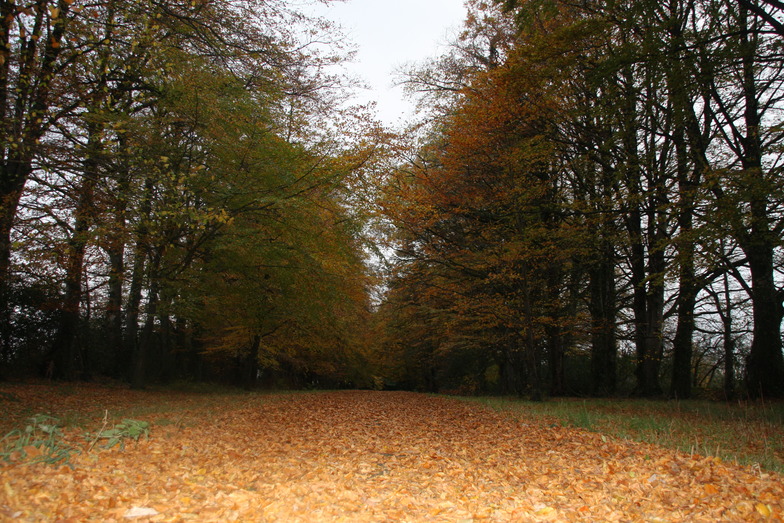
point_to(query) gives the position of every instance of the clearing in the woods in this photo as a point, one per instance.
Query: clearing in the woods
(348, 456)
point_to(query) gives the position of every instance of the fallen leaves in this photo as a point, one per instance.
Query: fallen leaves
(373, 456)
(140, 512)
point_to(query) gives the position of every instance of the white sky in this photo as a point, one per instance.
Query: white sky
(389, 34)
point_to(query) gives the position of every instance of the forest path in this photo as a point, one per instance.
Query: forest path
(380, 456)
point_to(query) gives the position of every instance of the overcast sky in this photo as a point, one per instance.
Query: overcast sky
(391, 33)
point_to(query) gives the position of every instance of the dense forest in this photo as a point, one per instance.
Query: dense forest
(590, 202)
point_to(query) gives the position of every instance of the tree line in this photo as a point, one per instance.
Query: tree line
(594, 204)
(174, 194)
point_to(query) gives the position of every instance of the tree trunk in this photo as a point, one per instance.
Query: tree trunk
(689, 151)
(114, 317)
(682, 344)
(131, 342)
(66, 350)
(131, 334)
(765, 363)
(555, 335)
(530, 341)
(601, 306)
(142, 353)
(556, 351)
(25, 97)
(729, 342)
(250, 365)
(11, 184)
(687, 280)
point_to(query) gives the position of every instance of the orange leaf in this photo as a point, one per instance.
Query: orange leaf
(32, 451)
(710, 488)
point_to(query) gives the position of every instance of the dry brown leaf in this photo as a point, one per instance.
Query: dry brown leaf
(373, 456)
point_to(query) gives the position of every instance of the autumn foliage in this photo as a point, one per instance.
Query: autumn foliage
(175, 203)
(593, 204)
(364, 456)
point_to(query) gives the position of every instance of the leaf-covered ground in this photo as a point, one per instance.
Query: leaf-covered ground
(363, 456)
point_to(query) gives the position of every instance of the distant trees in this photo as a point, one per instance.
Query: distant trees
(173, 201)
(606, 186)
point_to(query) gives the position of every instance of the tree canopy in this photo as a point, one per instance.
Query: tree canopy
(590, 204)
(595, 207)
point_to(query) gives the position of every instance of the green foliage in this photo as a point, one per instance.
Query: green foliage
(128, 429)
(41, 441)
(581, 418)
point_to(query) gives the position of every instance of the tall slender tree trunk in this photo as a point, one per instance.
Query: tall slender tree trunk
(66, 349)
(687, 280)
(114, 316)
(556, 352)
(530, 343)
(115, 247)
(684, 334)
(554, 332)
(689, 165)
(728, 341)
(250, 365)
(647, 298)
(132, 308)
(142, 353)
(131, 340)
(650, 366)
(601, 305)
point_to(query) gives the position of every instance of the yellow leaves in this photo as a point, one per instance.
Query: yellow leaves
(763, 510)
(545, 511)
(9, 490)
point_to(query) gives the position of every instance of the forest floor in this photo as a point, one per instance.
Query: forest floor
(349, 456)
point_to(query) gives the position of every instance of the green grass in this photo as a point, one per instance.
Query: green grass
(40, 441)
(744, 433)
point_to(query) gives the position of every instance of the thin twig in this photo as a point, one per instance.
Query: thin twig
(98, 435)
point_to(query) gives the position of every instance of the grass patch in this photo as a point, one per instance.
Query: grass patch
(127, 429)
(40, 441)
(744, 433)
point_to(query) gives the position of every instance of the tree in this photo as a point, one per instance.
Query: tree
(142, 176)
(34, 53)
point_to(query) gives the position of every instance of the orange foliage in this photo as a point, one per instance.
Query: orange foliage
(484, 216)
(372, 456)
